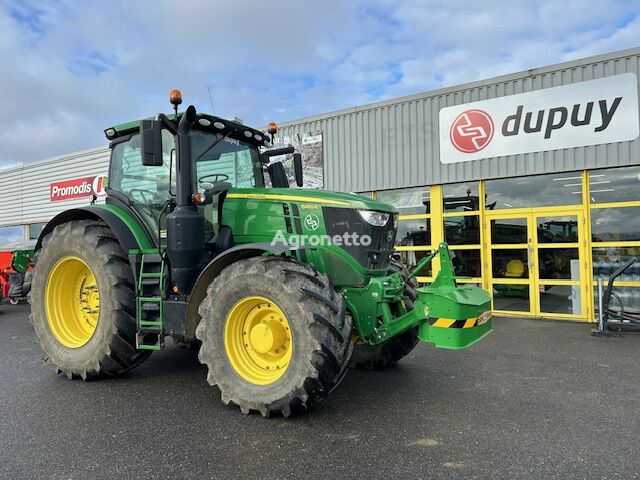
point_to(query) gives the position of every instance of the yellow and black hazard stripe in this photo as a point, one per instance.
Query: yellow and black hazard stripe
(464, 323)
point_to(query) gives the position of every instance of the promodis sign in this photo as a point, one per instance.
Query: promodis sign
(584, 113)
(77, 188)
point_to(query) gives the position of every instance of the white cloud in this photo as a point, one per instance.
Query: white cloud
(74, 68)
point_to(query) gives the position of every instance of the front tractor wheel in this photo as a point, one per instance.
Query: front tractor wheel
(83, 302)
(274, 335)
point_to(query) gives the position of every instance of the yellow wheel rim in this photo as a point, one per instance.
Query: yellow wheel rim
(257, 340)
(72, 302)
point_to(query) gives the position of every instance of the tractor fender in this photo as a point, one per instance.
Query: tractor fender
(122, 232)
(213, 269)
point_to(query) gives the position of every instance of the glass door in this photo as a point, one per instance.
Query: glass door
(561, 275)
(536, 263)
(510, 262)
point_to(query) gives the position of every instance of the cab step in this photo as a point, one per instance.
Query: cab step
(150, 293)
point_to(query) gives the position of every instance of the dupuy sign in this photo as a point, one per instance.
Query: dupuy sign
(585, 113)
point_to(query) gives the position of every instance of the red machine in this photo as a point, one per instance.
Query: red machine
(15, 272)
(5, 269)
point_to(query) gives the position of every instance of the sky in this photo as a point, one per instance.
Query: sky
(70, 69)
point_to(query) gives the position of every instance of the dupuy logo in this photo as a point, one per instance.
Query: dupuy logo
(471, 131)
(312, 222)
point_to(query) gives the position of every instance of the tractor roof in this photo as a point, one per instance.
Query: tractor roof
(216, 124)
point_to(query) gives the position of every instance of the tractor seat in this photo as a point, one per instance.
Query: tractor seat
(515, 268)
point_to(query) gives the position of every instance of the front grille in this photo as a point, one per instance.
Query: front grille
(341, 221)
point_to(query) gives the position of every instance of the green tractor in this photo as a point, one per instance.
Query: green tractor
(281, 289)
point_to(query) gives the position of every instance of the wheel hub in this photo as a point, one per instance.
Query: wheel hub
(258, 340)
(267, 337)
(72, 302)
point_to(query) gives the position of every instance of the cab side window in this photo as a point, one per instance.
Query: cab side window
(146, 187)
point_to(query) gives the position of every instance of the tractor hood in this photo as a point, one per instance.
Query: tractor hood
(316, 197)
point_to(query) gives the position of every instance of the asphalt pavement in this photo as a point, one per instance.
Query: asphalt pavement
(536, 399)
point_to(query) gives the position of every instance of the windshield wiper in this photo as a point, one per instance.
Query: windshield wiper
(213, 145)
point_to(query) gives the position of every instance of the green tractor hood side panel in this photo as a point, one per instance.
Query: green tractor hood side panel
(286, 215)
(315, 197)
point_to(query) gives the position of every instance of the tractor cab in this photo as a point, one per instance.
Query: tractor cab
(224, 155)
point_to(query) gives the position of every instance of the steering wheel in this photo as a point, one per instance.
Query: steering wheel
(217, 177)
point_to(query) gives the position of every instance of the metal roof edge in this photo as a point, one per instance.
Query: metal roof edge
(580, 62)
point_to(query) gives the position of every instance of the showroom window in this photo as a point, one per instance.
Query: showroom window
(615, 185)
(534, 191)
(413, 240)
(10, 234)
(620, 224)
(462, 228)
(460, 197)
(35, 229)
(408, 201)
(614, 196)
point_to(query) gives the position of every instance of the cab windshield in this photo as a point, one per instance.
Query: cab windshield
(217, 158)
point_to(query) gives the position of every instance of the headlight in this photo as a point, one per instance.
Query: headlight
(377, 219)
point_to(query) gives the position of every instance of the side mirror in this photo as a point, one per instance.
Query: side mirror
(297, 168)
(151, 141)
(265, 157)
(278, 175)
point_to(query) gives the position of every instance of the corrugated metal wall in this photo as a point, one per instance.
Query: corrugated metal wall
(24, 191)
(395, 144)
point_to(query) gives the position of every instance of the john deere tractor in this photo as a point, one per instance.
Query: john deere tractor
(192, 243)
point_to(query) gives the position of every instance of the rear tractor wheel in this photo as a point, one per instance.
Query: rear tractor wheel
(274, 335)
(83, 302)
(378, 357)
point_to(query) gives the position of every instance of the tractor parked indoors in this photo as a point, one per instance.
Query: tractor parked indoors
(184, 247)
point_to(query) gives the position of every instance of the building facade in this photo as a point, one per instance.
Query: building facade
(531, 178)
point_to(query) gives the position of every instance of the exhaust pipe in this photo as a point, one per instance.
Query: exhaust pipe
(185, 228)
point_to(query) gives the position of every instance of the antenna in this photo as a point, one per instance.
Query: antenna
(211, 100)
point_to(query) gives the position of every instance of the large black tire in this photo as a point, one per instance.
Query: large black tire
(111, 349)
(377, 357)
(320, 328)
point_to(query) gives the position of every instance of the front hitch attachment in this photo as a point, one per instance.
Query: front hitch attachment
(447, 315)
(457, 316)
